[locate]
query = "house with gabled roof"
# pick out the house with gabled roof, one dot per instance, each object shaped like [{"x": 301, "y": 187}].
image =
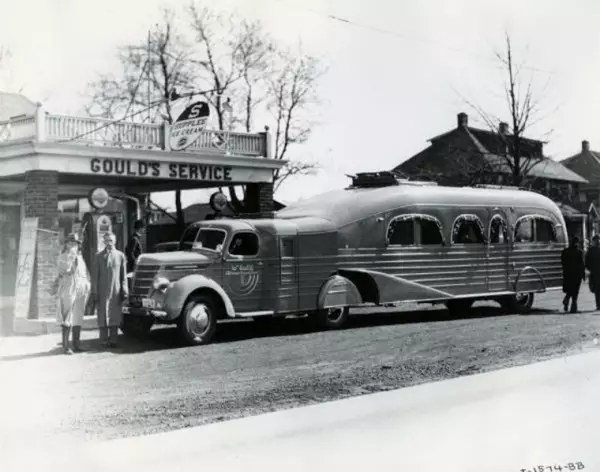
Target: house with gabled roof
[
  {"x": 467, "y": 155},
  {"x": 587, "y": 162}
]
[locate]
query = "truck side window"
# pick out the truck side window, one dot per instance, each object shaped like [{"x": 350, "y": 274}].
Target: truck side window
[
  {"x": 498, "y": 230},
  {"x": 287, "y": 248},
  {"x": 467, "y": 229},
  {"x": 244, "y": 244}
]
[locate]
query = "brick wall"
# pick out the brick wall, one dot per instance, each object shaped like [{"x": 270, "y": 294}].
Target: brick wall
[
  {"x": 265, "y": 197},
  {"x": 40, "y": 199}
]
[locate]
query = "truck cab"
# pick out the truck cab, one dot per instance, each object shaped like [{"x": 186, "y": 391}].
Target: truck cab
[{"x": 221, "y": 269}]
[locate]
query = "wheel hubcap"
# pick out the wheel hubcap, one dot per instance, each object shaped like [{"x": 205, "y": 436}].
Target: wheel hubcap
[
  {"x": 334, "y": 314},
  {"x": 523, "y": 299},
  {"x": 198, "y": 319}
]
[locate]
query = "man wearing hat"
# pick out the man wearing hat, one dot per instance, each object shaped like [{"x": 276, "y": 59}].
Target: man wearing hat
[
  {"x": 72, "y": 291},
  {"x": 592, "y": 264},
  {"x": 109, "y": 289}
]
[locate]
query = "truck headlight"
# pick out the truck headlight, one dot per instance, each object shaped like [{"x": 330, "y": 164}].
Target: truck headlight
[{"x": 160, "y": 283}]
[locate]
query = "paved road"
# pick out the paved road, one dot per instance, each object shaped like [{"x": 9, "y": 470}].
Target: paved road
[
  {"x": 542, "y": 417},
  {"x": 156, "y": 386}
]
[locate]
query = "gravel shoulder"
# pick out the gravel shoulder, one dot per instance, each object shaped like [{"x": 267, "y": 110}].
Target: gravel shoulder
[{"x": 157, "y": 386}]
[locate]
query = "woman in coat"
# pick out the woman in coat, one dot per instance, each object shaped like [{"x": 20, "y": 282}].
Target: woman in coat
[{"x": 72, "y": 292}]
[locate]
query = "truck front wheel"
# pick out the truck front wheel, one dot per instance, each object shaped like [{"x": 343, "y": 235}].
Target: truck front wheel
[{"x": 198, "y": 320}]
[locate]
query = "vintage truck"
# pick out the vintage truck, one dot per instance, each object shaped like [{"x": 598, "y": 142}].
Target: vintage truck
[{"x": 380, "y": 241}]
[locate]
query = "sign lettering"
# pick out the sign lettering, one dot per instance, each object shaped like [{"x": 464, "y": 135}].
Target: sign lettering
[
  {"x": 25, "y": 267},
  {"x": 184, "y": 171}
]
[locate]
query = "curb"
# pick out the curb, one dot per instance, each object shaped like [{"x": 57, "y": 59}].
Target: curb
[{"x": 26, "y": 327}]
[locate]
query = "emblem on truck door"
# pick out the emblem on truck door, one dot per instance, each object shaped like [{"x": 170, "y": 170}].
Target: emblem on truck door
[{"x": 242, "y": 279}]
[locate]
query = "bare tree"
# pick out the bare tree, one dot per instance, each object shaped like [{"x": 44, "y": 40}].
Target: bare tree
[
  {"x": 293, "y": 96},
  {"x": 511, "y": 152},
  {"x": 242, "y": 61},
  {"x": 150, "y": 71}
]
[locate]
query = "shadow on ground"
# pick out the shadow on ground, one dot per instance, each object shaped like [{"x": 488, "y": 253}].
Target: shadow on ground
[{"x": 161, "y": 338}]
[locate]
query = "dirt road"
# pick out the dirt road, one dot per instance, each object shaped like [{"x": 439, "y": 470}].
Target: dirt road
[{"x": 157, "y": 386}]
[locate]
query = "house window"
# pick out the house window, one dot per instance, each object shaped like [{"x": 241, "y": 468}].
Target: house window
[
  {"x": 498, "y": 230},
  {"x": 244, "y": 244},
  {"x": 412, "y": 229},
  {"x": 533, "y": 228},
  {"x": 467, "y": 229}
]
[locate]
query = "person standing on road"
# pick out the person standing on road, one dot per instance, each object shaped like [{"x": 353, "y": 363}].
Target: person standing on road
[
  {"x": 573, "y": 273},
  {"x": 73, "y": 290},
  {"x": 134, "y": 247},
  {"x": 592, "y": 264},
  {"x": 110, "y": 289}
]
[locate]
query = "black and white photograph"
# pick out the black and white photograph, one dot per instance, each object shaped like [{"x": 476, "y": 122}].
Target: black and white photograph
[{"x": 299, "y": 235}]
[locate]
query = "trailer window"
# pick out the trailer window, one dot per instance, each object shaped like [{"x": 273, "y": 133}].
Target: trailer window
[
  {"x": 408, "y": 230},
  {"x": 244, "y": 244},
  {"x": 535, "y": 229},
  {"x": 498, "y": 230},
  {"x": 401, "y": 232},
  {"x": 544, "y": 231},
  {"x": 467, "y": 229}
]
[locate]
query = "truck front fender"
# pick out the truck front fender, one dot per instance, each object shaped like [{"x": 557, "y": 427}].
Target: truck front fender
[{"x": 179, "y": 291}]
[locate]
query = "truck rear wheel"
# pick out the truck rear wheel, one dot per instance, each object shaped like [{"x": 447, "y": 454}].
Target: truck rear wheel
[
  {"x": 198, "y": 321},
  {"x": 330, "y": 318},
  {"x": 136, "y": 326},
  {"x": 520, "y": 303},
  {"x": 459, "y": 307}
]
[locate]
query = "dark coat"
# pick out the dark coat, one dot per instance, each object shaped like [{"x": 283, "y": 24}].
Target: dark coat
[
  {"x": 133, "y": 251},
  {"x": 592, "y": 263},
  {"x": 573, "y": 269}
]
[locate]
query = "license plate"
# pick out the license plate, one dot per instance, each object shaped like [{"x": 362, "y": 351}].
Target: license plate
[{"x": 148, "y": 303}]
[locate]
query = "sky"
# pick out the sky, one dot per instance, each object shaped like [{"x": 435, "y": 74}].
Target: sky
[{"x": 398, "y": 71}]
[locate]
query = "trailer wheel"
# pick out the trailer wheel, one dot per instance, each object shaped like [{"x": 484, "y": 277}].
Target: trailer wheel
[
  {"x": 136, "y": 327},
  {"x": 459, "y": 307},
  {"x": 198, "y": 321},
  {"x": 520, "y": 303},
  {"x": 331, "y": 318}
]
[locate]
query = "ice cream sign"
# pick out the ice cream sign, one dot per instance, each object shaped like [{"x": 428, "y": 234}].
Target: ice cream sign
[{"x": 189, "y": 125}]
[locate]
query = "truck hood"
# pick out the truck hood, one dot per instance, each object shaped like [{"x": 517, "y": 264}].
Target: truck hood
[{"x": 178, "y": 257}]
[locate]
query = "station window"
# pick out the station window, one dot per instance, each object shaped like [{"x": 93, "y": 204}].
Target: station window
[
  {"x": 408, "y": 230},
  {"x": 244, "y": 244},
  {"x": 498, "y": 230},
  {"x": 467, "y": 229},
  {"x": 534, "y": 229}
]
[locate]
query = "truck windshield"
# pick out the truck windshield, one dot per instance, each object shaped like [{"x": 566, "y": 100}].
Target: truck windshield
[{"x": 209, "y": 238}]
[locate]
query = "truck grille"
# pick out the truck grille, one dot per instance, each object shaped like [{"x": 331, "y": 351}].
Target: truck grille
[{"x": 142, "y": 279}]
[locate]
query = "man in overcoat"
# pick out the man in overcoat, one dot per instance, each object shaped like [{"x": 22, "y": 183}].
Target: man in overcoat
[
  {"x": 109, "y": 289},
  {"x": 573, "y": 273},
  {"x": 592, "y": 264},
  {"x": 134, "y": 247}
]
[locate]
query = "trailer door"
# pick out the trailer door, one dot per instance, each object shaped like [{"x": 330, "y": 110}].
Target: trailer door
[{"x": 288, "y": 274}]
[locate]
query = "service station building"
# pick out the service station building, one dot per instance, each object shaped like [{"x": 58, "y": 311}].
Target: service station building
[{"x": 49, "y": 165}]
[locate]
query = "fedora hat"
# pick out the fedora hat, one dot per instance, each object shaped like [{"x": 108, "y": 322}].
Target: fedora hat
[{"x": 73, "y": 237}]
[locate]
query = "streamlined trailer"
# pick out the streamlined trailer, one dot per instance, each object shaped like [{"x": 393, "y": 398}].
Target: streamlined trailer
[{"x": 381, "y": 241}]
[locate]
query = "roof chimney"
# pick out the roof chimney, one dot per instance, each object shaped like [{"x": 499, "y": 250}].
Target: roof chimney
[
  {"x": 585, "y": 145},
  {"x": 463, "y": 120},
  {"x": 503, "y": 128}
]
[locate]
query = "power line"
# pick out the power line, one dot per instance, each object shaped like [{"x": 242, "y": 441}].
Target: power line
[{"x": 398, "y": 35}]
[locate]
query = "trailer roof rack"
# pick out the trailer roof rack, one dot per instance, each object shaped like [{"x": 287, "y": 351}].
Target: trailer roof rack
[
  {"x": 493, "y": 186},
  {"x": 373, "y": 179}
]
